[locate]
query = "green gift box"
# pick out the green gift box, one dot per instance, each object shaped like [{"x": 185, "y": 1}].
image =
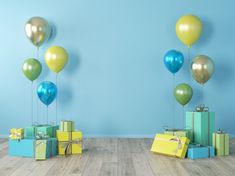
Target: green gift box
[
  {"x": 221, "y": 143},
  {"x": 45, "y": 130},
  {"x": 45, "y": 148},
  {"x": 67, "y": 125},
  {"x": 202, "y": 125},
  {"x": 179, "y": 132}
]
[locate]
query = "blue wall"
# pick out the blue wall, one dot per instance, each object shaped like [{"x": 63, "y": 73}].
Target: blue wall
[{"x": 115, "y": 83}]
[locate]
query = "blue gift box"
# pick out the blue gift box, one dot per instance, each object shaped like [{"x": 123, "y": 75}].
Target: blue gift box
[
  {"x": 24, "y": 147},
  {"x": 196, "y": 152}
]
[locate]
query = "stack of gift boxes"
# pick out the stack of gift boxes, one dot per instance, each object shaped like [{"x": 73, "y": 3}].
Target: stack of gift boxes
[
  {"x": 45, "y": 141},
  {"x": 198, "y": 140}
]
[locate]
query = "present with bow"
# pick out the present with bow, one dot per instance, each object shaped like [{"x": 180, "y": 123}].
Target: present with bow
[
  {"x": 221, "y": 143},
  {"x": 16, "y": 133},
  {"x": 32, "y": 131},
  {"x": 178, "y": 132},
  {"x": 170, "y": 145},
  {"x": 202, "y": 123},
  {"x": 67, "y": 125},
  {"x": 45, "y": 147},
  {"x": 197, "y": 151},
  {"x": 69, "y": 142}
]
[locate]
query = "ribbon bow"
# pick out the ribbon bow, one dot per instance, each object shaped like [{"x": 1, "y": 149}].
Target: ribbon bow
[
  {"x": 201, "y": 108},
  {"x": 179, "y": 146},
  {"x": 67, "y": 145},
  {"x": 16, "y": 134},
  {"x": 219, "y": 131},
  {"x": 41, "y": 135}
]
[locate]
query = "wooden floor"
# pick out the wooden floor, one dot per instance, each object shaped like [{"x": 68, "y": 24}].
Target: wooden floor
[{"x": 115, "y": 157}]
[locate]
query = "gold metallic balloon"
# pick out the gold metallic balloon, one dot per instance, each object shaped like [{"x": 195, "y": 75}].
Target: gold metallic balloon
[
  {"x": 202, "y": 68},
  {"x": 37, "y": 30}
]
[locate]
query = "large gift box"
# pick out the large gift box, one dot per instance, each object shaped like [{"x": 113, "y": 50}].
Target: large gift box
[
  {"x": 46, "y": 130},
  {"x": 67, "y": 125},
  {"x": 69, "y": 142},
  {"x": 202, "y": 125},
  {"x": 45, "y": 148},
  {"x": 179, "y": 132},
  {"x": 221, "y": 143},
  {"x": 24, "y": 147},
  {"x": 170, "y": 145},
  {"x": 199, "y": 151},
  {"x": 16, "y": 133}
]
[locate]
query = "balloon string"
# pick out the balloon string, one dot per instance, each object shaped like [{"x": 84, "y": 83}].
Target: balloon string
[
  {"x": 56, "y": 105},
  {"x": 32, "y": 102},
  {"x": 37, "y": 99},
  {"x": 47, "y": 114},
  {"x": 173, "y": 102},
  {"x": 183, "y": 116},
  {"x": 202, "y": 93}
]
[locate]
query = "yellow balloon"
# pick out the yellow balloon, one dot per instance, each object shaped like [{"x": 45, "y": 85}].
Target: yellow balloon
[
  {"x": 56, "y": 58},
  {"x": 188, "y": 29}
]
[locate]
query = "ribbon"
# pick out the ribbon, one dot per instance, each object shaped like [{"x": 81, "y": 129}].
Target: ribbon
[
  {"x": 201, "y": 108},
  {"x": 16, "y": 134},
  {"x": 67, "y": 145},
  {"x": 41, "y": 135}
]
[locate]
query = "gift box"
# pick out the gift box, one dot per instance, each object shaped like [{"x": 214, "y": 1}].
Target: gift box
[
  {"x": 199, "y": 151},
  {"x": 202, "y": 125},
  {"x": 69, "y": 142},
  {"x": 170, "y": 145},
  {"x": 24, "y": 147},
  {"x": 221, "y": 143},
  {"x": 67, "y": 125},
  {"x": 45, "y": 148},
  {"x": 16, "y": 133},
  {"x": 179, "y": 132},
  {"x": 46, "y": 130}
]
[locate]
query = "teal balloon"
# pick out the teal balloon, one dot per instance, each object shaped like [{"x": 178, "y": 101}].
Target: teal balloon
[
  {"x": 173, "y": 60},
  {"x": 47, "y": 92},
  {"x": 32, "y": 68},
  {"x": 183, "y": 93}
]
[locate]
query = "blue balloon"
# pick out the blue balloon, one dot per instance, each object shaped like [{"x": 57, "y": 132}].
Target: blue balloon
[
  {"x": 47, "y": 92},
  {"x": 173, "y": 60}
]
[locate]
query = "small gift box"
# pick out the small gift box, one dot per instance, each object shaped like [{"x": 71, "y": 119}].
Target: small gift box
[
  {"x": 199, "y": 151},
  {"x": 170, "y": 145},
  {"x": 202, "y": 124},
  {"x": 16, "y": 133},
  {"x": 179, "y": 132},
  {"x": 49, "y": 130},
  {"x": 69, "y": 142},
  {"x": 67, "y": 125},
  {"x": 24, "y": 147},
  {"x": 45, "y": 148},
  {"x": 221, "y": 143}
]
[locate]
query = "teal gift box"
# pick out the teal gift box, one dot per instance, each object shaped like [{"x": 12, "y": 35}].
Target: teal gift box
[
  {"x": 202, "y": 125},
  {"x": 198, "y": 151},
  {"x": 38, "y": 148},
  {"x": 47, "y": 130},
  {"x": 23, "y": 147},
  {"x": 45, "y": 148}
]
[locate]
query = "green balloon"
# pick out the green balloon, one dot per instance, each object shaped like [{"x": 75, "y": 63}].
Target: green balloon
[
  {"x": 32, "y": 68},
  {"x": 183, "y": 93}
]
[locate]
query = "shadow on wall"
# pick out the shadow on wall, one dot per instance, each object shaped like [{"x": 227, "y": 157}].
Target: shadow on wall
[
  {"x": 65, "y": 95},
  {"x": 73, "y": 63},
  {"x": 223, "y": 75},
  {"x": 207, "y": 33}
]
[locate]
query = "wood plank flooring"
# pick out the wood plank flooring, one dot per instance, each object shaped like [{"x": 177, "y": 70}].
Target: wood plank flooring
[{"x": 115, "y": 157}]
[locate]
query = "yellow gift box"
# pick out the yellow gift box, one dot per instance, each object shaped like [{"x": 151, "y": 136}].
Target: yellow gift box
[
  {"x": 16, "y": 133},
  {"x": 69, "y": 142},
  {"x": 170, "y": 145}
]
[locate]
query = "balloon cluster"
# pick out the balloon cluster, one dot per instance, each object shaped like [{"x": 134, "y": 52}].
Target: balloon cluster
[
  {"x": 38, "y": 31},
  {"x": 188, "y": 30}
]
